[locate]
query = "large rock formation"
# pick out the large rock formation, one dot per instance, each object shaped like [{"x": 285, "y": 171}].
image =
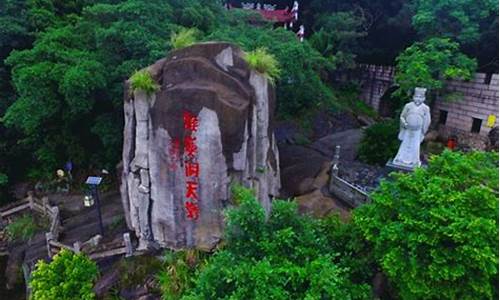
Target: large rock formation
[{"x": 209, "y": 125}]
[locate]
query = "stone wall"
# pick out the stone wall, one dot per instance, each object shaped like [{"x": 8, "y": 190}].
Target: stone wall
[
  {"x": 477, "y": 98},
  {"x": 373, "y": 80}
]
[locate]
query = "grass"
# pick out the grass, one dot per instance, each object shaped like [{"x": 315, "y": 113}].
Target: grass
[
  {"x": 24, "y": 228},
  {"x": 178, "y": 273},
  {"x": 117, "y": 222},
  {"x": 263, "y": 62},
  {"x": 142, "y": 80},
  {"x": 302, "y": 140},
  {"x": 135, "y": 270},
  {"x": 348, "y": 99},
  {"x": 184, "y": 38},
  {"x": 361, "y": 108}
]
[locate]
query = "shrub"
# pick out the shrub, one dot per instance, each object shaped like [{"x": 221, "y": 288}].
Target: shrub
[
  {"x": 22, "y": 228},
  {"x": 142, "y": 80},
  {"x": 184, "y": 38},
  {"x": 178, "y": 273},
  {"x": 135, "y": 270},
  {"x": 435, "y": 231},
  {"x": 68, "y": 276},
  {"x": 3, "y": 179},
  {"x": 286, "y": 257},
  {"x": 380, "y": 142},
  {"x": 263, "y": 62}
]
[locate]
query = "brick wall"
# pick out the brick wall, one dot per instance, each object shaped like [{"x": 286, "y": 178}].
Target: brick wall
[
  {"x": 479, "y": 101},
  {"x": 375, "y": 82}
]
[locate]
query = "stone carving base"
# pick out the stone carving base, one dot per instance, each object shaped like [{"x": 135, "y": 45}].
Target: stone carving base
[{"x": 398, "y": 167}]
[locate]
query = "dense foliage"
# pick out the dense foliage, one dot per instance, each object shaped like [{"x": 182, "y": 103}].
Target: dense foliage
[
  {"x": 435, "y": 231},
  {"x": 336, "y": 35},
  {"x": 178, "y": 273},
  {"x": 429, "y": 63},
  {"x": 462, "y": 20},
  {"x": 183, "y": 38},
  {"x": 379, "y": 142},
  {"x": 449, "y": 31},
  {"x": 83, "y": 53},
  {"x": 300, "y": 64},
  {"x": 25, "y": 227},
  {"x": 286, "y": 257},
  {"x": 68, "y": 276},
  {"x": 79, "y": 65}
]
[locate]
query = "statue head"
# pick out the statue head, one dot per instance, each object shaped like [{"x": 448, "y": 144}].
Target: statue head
[{"x": 419, "y": 95}]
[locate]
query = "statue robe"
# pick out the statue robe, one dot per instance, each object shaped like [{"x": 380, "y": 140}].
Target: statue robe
[{"x": 418, "y": 120}]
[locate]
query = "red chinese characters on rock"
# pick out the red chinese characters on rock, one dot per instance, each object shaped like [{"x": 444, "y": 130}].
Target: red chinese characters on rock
[
  {"x": 190, "y": 148},
  {"x": 193, "y": 210},
  {"x": 192, "y": 169},
  {"x": 191, "y": 166},
  {"x": 190, "y": 121}
]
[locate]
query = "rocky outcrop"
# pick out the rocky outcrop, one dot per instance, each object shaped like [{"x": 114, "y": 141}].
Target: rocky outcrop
[
  {"x": 319, "y": 205},
  {"x": 300, "y": 165},
  {"x": 209, "y": 125}
]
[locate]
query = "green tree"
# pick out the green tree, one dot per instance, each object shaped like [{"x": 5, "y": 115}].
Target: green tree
[
  {"x": 300, "y": 64},
  {"x": 336, "y": 36},
  {"x": 69, "y": 85},
  {"x": 473, "y": 24},
  {"x": 428, "y": 63},
  {"x": 285, "y": 257},
  {"x": 435, "y": 231},
  {"x": 68, "y": 276},
  {"x": 361, "y": 28},
  {"x": 462, "y": 20}
]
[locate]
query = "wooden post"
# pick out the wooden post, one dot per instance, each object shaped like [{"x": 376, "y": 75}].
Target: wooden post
[
  {"x": 128, "y": 244},
  {"x": 49, "y": 237},
  {"x": 45, "y": 203},
  {"x": 27, "y": 277},
  {"x": 77, "y": 246},
  {"x": 31, "y": 200},
  {"x": 336, "y": 159},
  {"x": 56, "y": 222}
]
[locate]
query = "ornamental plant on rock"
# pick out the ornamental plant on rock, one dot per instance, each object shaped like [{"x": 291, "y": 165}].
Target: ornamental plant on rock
[
  {"x": 435, "y": 231},
  {"x": 68, "y": 276}
]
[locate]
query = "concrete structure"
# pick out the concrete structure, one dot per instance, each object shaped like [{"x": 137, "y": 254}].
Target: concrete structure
[
  {"x": 475, "y": 103},
  {"x": 479, "y": 101}
]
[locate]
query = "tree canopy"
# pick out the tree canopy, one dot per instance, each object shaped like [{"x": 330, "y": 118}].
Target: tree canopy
[
  {"x": 435, "y": 231},
  {"x": 68, "y": 276},
  {"x": 286, "y": 257}
]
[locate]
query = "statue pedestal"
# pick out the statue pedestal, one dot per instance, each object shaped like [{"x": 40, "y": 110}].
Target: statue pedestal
[{"x": 398, "y": 167}]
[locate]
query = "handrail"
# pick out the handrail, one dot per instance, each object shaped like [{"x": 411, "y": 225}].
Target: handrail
[{"x": 42, "y": 206}]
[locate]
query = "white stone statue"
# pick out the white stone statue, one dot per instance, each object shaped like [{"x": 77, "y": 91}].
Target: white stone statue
[
  {"x": 295, "y": 12},
  {"x": 415, "y": 120},
  {"x": 301, "y": 32}
]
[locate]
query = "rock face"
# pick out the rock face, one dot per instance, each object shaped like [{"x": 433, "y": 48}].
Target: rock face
[{"x": 209, "y": 125}]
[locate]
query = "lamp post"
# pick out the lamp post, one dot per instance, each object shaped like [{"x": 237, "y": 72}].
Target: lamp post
[{"x": 93, "y": 182}]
